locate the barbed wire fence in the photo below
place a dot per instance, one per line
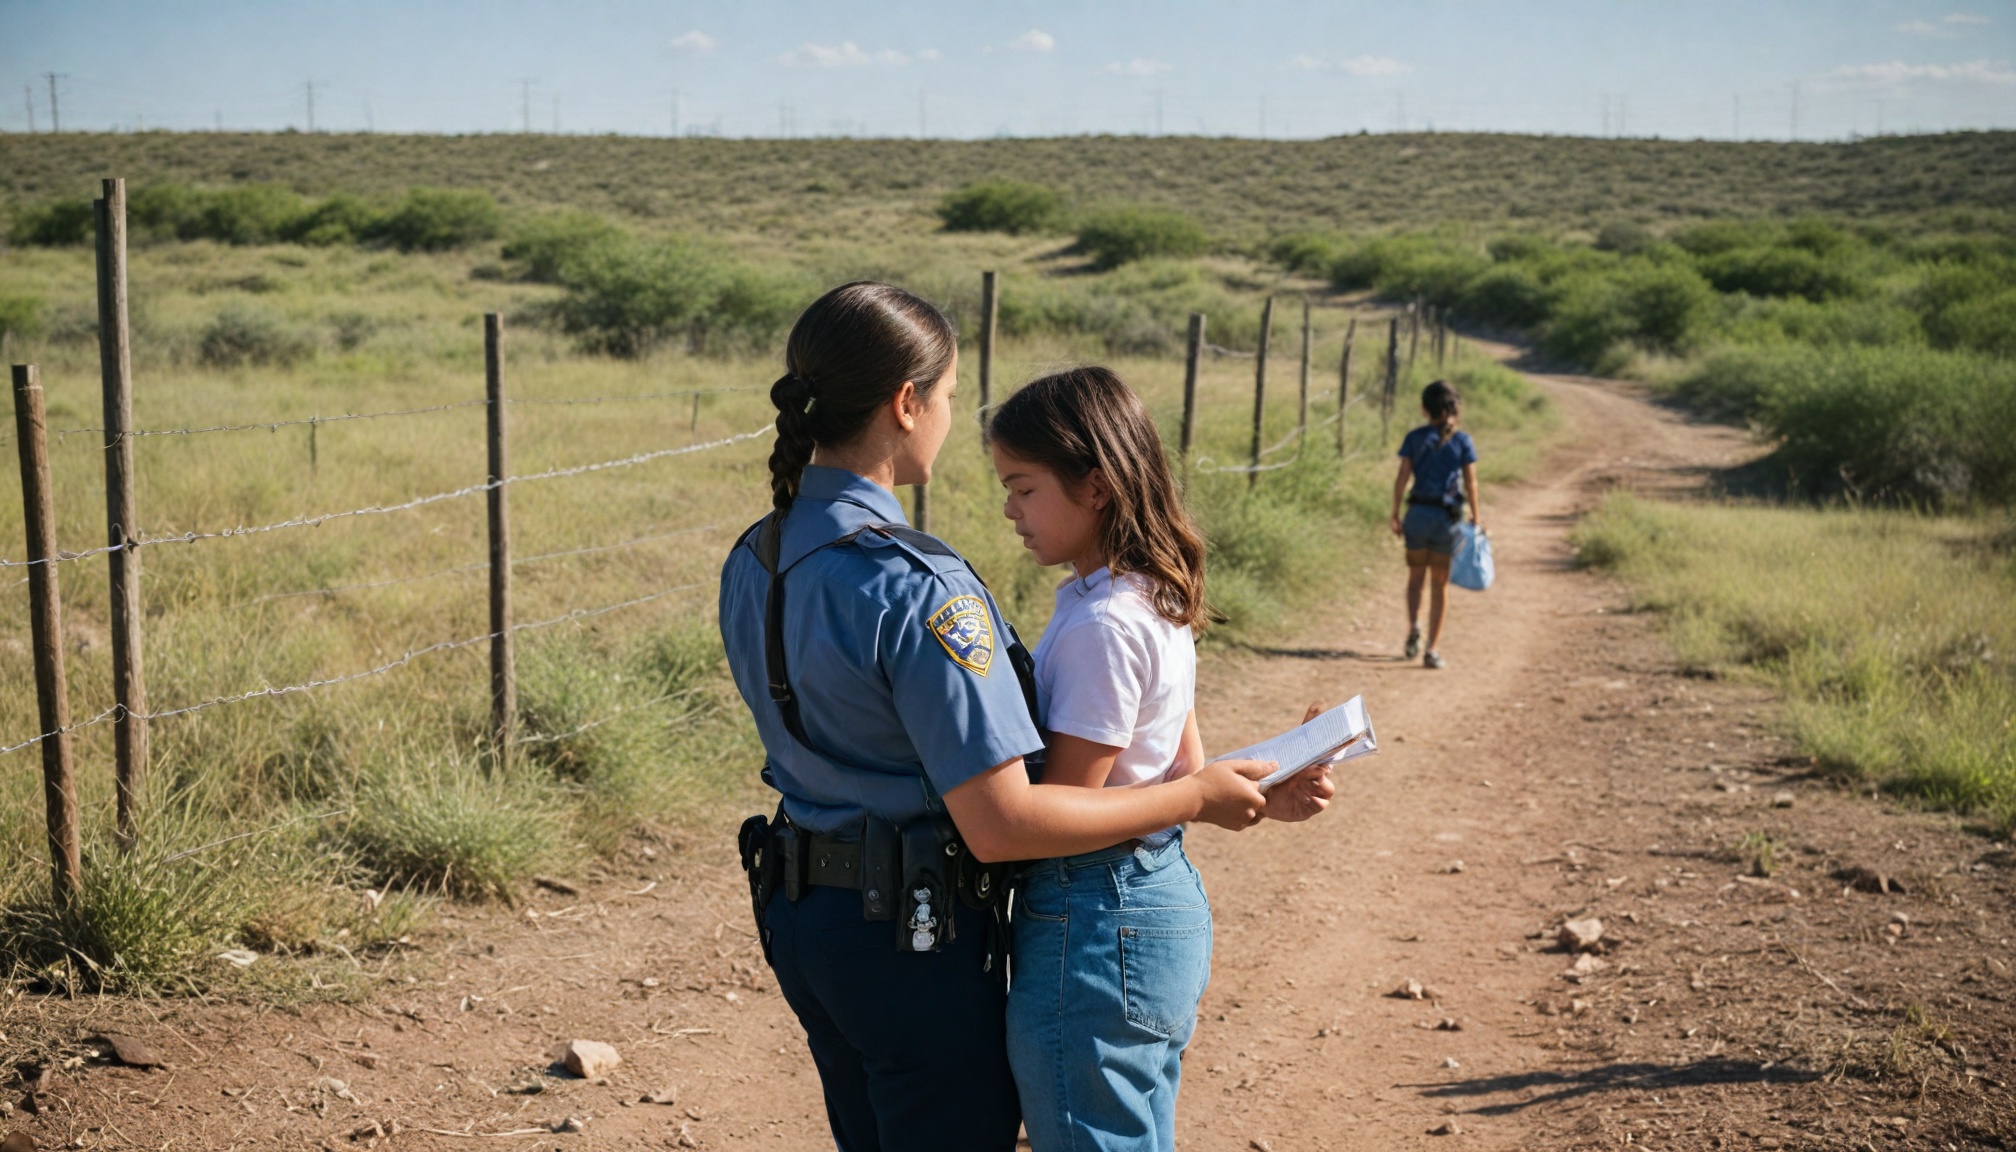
(130, 714)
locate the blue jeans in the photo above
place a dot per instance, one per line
(1112, 952)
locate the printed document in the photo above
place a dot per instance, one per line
(1343, 733)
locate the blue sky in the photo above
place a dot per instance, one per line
(1288, 68)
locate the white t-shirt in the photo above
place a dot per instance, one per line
(1112, 670)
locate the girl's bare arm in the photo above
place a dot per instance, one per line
(1470, 490)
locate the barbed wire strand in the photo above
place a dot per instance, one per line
(578, 614)
(421, 501)
(274, 425)
(482, 565)
(635, 396)
(32, 741)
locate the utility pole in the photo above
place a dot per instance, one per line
(55, 113)
(310, 86)
(28, 94)
(525, 104)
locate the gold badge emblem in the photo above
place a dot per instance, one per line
(967, 632)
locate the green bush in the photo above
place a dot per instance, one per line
(56, 224)
(1511, 295)
(1780, 272)
(1883, 423)
(1717, 236)
(1012, 206)
(438, 219)
(628, 298)
(548, 245)
(341, 219)
(252, 214)
(241, 334)
(1311, 252)
(1122, 235)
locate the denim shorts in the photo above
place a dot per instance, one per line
(1430, 528)
(1112, 952)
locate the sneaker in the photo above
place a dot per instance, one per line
(1432, 660)
(1413, 643)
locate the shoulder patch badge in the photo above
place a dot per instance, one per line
(966, 630)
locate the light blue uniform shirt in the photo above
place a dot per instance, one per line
(898, 658)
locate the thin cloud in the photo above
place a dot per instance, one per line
(1363, 65)
(1138, 67)
(1921, 28)
(1896, 72)
(843, 55)
(930, 54)
(1965, 18)
(1034, 40)
(695, 41)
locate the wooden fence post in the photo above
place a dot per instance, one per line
(115, 362)
(45, 620)
(990, 308)
(1344, 382)
(503, 654)
(1302, 411)
(1392, 381)
(1413, 330)
(1190, 362)
(1260, 386)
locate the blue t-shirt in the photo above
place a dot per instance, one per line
(1438, 463)
(898, 657)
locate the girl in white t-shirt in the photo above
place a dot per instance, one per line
(1111, 948)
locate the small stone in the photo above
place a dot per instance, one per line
(38, 1078)
(130, 1050)
(367, 1059)
(1585, 966)
(1259, 1145)
(1411, 990)
(1580, 935)
(1452, 868)
(1900, 919)
(669, 1096)
(1868, 880)
(18, 1142)
(648, 982)
(1448, 1024)
(571, 1124)
(589, 1059)
(1445, 1128)
(1450, 1062)
(369, 1131)
(1578, 1007)
(336, 1088)
(686, 1139)
(559, 886)
(1781, 800)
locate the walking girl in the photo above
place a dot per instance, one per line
(1112, 947)
(884, 684)
(1442, 464)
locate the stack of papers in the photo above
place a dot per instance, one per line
(1343, 733)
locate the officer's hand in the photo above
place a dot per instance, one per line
(1230, 797)
(1302, 795)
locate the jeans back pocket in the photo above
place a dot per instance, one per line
(1162, 975)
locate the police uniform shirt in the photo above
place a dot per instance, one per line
(898, 658)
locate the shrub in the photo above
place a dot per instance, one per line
(1507, 295)
(438, 219)
(245, 335)
(57, 224)
(1983, 325)
(1716, 236)
(1780, 272)
(549, 244)
(341, 219)
(1665, 305)
(1119, 236)
(252, 214)
(1623, 236)
(628, 298)
(1011, 206)
(1311, 252)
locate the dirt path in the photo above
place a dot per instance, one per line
(1561, 766)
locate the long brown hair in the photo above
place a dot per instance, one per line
(1444, 406)
(848, 354)
(1074, 421)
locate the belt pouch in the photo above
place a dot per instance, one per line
(881, 850)
(926, 894)
(790, 846)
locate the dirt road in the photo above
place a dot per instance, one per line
(1561, 766)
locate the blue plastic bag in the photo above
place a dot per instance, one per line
(1472, 567)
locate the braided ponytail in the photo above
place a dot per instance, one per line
(849, 352)
(1443, 405)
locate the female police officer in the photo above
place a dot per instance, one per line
(894, 723)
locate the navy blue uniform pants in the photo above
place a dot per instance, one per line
(912, 1047)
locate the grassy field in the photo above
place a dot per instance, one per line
(632, 728)
(1243, 191)
(1888, 632)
